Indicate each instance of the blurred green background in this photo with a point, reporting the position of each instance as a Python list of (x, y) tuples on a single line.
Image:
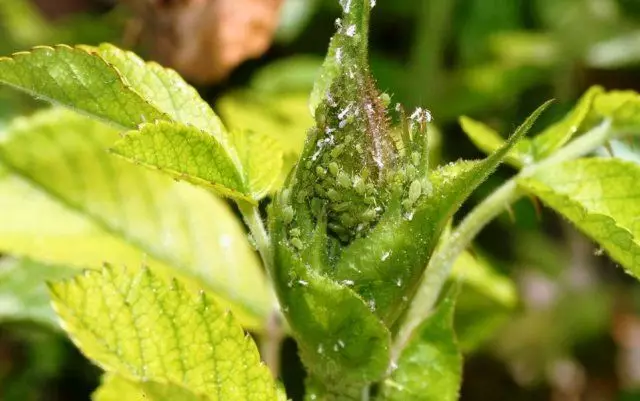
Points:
[(574, 331)]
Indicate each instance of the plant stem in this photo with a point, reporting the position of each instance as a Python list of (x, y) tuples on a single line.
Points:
[(272, 341), (441, 263)]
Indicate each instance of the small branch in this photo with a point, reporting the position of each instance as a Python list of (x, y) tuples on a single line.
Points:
[(274, 334), (441, 263)]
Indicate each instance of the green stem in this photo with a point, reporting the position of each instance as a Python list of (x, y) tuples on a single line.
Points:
[(442, 261), (272, 341)]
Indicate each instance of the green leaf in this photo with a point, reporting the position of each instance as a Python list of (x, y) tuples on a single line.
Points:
[(561, 132), (621, 107), (282, 117), (488, 140), (67, 201), (143, 328), (79, 79), (281, 120), (23, 293), (164, 89), (543, 144), (430, 367), (184, 152), (600, 196), (262, 160), (117, 388), (110, 84)]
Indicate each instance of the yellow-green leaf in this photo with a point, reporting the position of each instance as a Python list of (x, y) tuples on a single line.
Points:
[(601, 197), (164, 89), (143, 328), (78, 79), (186, 153), (65, 200), (117, 388)]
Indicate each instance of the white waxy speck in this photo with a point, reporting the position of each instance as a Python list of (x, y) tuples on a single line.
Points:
[(373, 3), (341, 343), (330, 99), (399, 282), (338, 23), (351, 31), (346, 5), (345, 111), (385, 256), (372, 305), (342, 124), (339, 55), (421, 115), (329, 130), (348, 282), (405, 298), (335, 347), (320, 349), (303, 283)]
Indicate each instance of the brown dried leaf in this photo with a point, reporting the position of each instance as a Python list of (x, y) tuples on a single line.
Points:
[(205, 39)]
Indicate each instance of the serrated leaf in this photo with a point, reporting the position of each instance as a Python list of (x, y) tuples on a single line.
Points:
[(111, 84), (543, 144), (600, 196), (262, 160), (430, 367), (67, 201), (117, 388), (23, 293), (284, 117), (185, 153), (164, 89), (143, 328), (560, 133), (78, 79)]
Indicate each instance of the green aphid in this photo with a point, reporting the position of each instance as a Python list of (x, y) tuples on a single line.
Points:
[(415, 158), (337, 151), (385, 99), (321, 171), (295, 232), (296, 242), (427, 187), (369, 200), (369, 215), (334, 195), (334, 168), (411, 172), (287, 214), (340, 207), (347, 220), (343, 180), (415, 190), (359, 185)]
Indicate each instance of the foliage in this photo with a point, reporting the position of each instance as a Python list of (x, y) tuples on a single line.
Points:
[(155, 281)]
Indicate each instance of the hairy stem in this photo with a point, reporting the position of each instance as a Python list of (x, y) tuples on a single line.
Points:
[(272, 340), (442, 261)]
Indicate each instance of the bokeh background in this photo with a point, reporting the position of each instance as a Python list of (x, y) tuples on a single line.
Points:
[(568, 327)]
